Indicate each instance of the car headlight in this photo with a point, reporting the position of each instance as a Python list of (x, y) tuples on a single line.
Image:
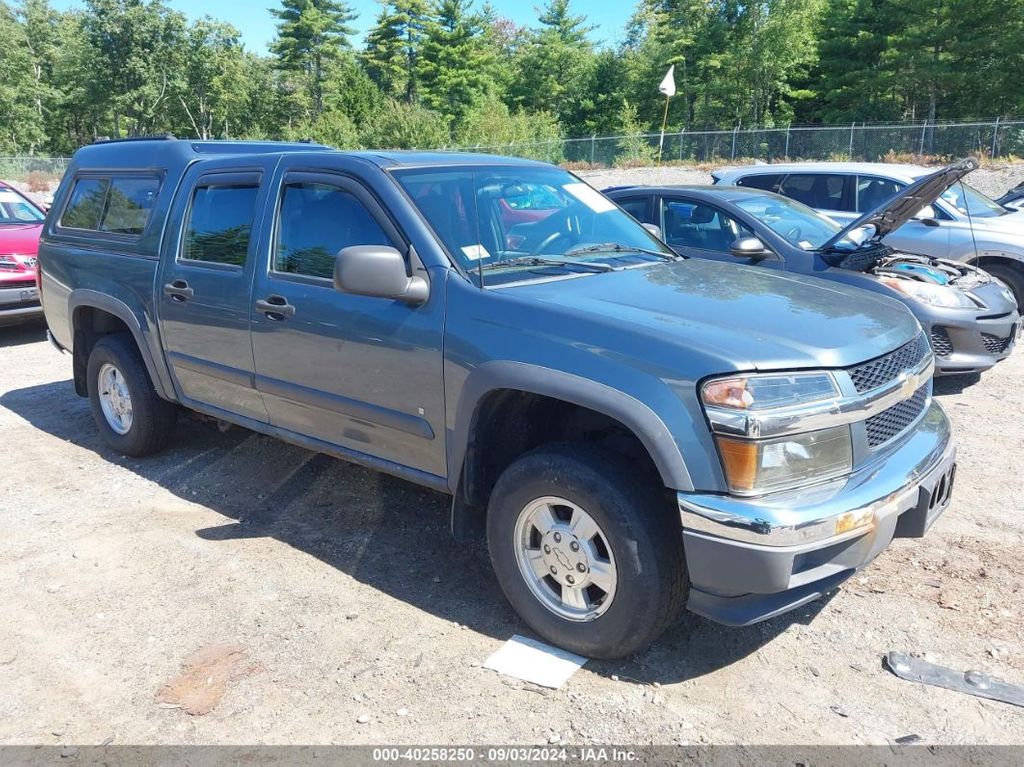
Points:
[(933, 295), (755, 466)]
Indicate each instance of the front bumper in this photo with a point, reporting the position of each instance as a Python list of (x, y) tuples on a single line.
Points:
[(19, 304), (972, 345), (751, 559)]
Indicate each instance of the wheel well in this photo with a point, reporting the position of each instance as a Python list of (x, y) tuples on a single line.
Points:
[(1000, 261), (90, 325), (509, 422)]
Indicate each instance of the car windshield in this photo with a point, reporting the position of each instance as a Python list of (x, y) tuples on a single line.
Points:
[(509, 223), (793, 221), (968, 200), (15, 209)]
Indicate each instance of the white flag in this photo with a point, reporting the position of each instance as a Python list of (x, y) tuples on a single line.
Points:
[(668, 85)]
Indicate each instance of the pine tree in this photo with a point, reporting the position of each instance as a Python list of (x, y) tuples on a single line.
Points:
[(312, 35), (456, 67), (393, 46)]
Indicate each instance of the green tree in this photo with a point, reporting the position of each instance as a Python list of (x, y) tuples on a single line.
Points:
[(393, 45), (312, 36), (554, 63), (456, 68), (211, 89), (20, 125), (137, 49), (398, 125)]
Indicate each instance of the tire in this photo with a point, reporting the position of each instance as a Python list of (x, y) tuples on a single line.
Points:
[(637, 534), (150, 425), (1013, 276)]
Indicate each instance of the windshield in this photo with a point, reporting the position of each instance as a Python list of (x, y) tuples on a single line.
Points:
[(793, 221), (508, 223), (15, 209), (969, 200)]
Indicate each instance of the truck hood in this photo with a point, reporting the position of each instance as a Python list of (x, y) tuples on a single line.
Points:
[(22, 239), (891, 215), (745, 318)]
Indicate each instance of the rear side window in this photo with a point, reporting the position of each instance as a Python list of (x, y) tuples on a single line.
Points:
[(768, 181), (816, 190), (873, 191), (114, 204), (220, 221), (316, 222)]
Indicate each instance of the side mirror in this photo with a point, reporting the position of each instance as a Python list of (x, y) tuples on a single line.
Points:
[(377, 270), (749, 247), (927, 213), (653, 229)]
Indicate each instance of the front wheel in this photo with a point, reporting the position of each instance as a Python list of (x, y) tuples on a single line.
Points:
[(131, 417), (588, 554)]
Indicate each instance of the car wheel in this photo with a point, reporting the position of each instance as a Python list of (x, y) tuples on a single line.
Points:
[(1013, 276), (588, 554), (131, 417)]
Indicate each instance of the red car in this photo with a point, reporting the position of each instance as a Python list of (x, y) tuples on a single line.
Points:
[(21, 222)]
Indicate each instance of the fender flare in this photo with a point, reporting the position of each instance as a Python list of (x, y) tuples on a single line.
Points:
[(534, 379), (82, 298)]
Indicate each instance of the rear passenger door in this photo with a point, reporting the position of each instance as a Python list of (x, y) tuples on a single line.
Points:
[(357, 372), (205, 282)]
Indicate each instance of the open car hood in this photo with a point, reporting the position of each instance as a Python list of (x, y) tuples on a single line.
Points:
[(891, 215)]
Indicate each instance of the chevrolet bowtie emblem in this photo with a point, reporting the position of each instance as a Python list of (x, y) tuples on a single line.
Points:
[(910, 384)]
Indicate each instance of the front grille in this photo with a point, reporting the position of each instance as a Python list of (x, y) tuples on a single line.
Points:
[(891, 422), (995, 344), (941, 344), (882, 370)]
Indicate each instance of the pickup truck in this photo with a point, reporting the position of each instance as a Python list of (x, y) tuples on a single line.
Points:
[(632, 432)]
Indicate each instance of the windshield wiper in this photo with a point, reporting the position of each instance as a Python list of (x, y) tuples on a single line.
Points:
[(617, 247), (546, 261)]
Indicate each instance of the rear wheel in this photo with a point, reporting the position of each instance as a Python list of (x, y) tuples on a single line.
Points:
[(1013, 276), (587, 553), (131, 417)]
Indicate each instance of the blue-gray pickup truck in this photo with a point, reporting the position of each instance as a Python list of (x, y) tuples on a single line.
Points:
[(632, 431)]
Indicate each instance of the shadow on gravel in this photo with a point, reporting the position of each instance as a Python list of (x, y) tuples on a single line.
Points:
[(18, 335), (387, 533), (955, 384)]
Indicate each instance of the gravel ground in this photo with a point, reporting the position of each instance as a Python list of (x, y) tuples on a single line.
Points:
[(312, 601), (994, 179)]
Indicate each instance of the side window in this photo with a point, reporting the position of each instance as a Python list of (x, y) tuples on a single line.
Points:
[(768, 181), (117, 205), (692, 224), (129, 202), (873, 191), (638, 207), (85, 208), (220, 221), (315, 221), (816, 190)]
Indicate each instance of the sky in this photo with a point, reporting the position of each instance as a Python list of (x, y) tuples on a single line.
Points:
[(253, 18)]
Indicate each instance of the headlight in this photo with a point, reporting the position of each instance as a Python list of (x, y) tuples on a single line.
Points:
[(762, 466), (933, 295), (755, 466), (759, 392)]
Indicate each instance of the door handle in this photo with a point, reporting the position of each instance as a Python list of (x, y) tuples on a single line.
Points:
[(178, 291), (275, 307)]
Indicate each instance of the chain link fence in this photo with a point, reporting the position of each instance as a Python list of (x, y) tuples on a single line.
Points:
[(33, 174), (857, 141)]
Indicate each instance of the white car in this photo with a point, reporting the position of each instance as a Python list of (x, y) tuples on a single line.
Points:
[(963, 224)]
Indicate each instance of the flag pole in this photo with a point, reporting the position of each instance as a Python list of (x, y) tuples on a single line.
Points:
[(664, 122)]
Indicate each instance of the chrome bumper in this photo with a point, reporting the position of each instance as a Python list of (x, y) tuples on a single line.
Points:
[(752, 558), (810, 515)]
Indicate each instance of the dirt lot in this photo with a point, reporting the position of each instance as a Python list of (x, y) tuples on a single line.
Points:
[(350, 616)]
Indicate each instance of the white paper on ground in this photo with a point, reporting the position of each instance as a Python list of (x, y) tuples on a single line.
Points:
[(534, 661)]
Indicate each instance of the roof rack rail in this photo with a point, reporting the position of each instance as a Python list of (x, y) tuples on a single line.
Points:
[(154, 137)]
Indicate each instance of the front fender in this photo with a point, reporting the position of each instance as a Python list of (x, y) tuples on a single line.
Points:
[(536, 379)]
